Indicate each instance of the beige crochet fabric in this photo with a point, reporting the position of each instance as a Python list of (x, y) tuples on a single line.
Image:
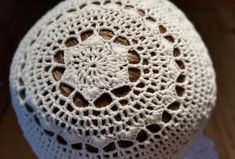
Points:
[(112, 79)]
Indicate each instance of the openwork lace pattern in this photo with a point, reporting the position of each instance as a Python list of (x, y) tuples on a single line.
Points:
[(112, 79)]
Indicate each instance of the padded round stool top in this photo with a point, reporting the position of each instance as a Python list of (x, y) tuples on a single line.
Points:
[(112, 79)]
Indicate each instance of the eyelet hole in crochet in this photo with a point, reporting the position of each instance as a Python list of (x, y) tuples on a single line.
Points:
[(150, 18), (141, 12), (49, 133), (119, 3), (61, 140), (134, 74), (181, 78), (36, 120), (176, 52), (32, 42), (162, 29), (91, 148), (128, 6), (59, 57), (104, 100), (166, 117), (71, 10), (133, 57), (85, 35), (107, 2), (106, 34), (65, 89), (69, 108), (82, 5), (121, 40), (29, 108), (124, 143), (58, 73), (123, 102), (71, 42), (110, 147), (121, 91), (174, 106), (96, 2), (179, 90), (79, 100), (137, 106), (22, 94), (153, 128), (180, 64), (22, 66), (114, 107), (142, 136), (170, 38), (77, 146)]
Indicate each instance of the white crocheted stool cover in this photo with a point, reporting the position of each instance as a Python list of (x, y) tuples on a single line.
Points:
[(112, 79)]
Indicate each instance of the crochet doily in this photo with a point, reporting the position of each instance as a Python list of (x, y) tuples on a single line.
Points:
[(112, 79)]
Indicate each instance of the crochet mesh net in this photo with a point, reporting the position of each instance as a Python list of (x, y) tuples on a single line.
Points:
[(112, 79)]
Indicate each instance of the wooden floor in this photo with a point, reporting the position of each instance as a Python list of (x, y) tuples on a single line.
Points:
[(216, 23)]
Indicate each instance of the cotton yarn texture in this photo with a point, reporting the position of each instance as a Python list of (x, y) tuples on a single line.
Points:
[(112, 79)]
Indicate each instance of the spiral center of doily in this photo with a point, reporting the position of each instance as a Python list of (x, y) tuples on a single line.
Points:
[(95, 68)]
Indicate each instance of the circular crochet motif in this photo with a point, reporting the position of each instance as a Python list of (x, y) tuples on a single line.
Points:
[(112, 79)]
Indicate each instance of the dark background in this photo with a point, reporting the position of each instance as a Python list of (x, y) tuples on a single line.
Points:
[(214, 19)]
